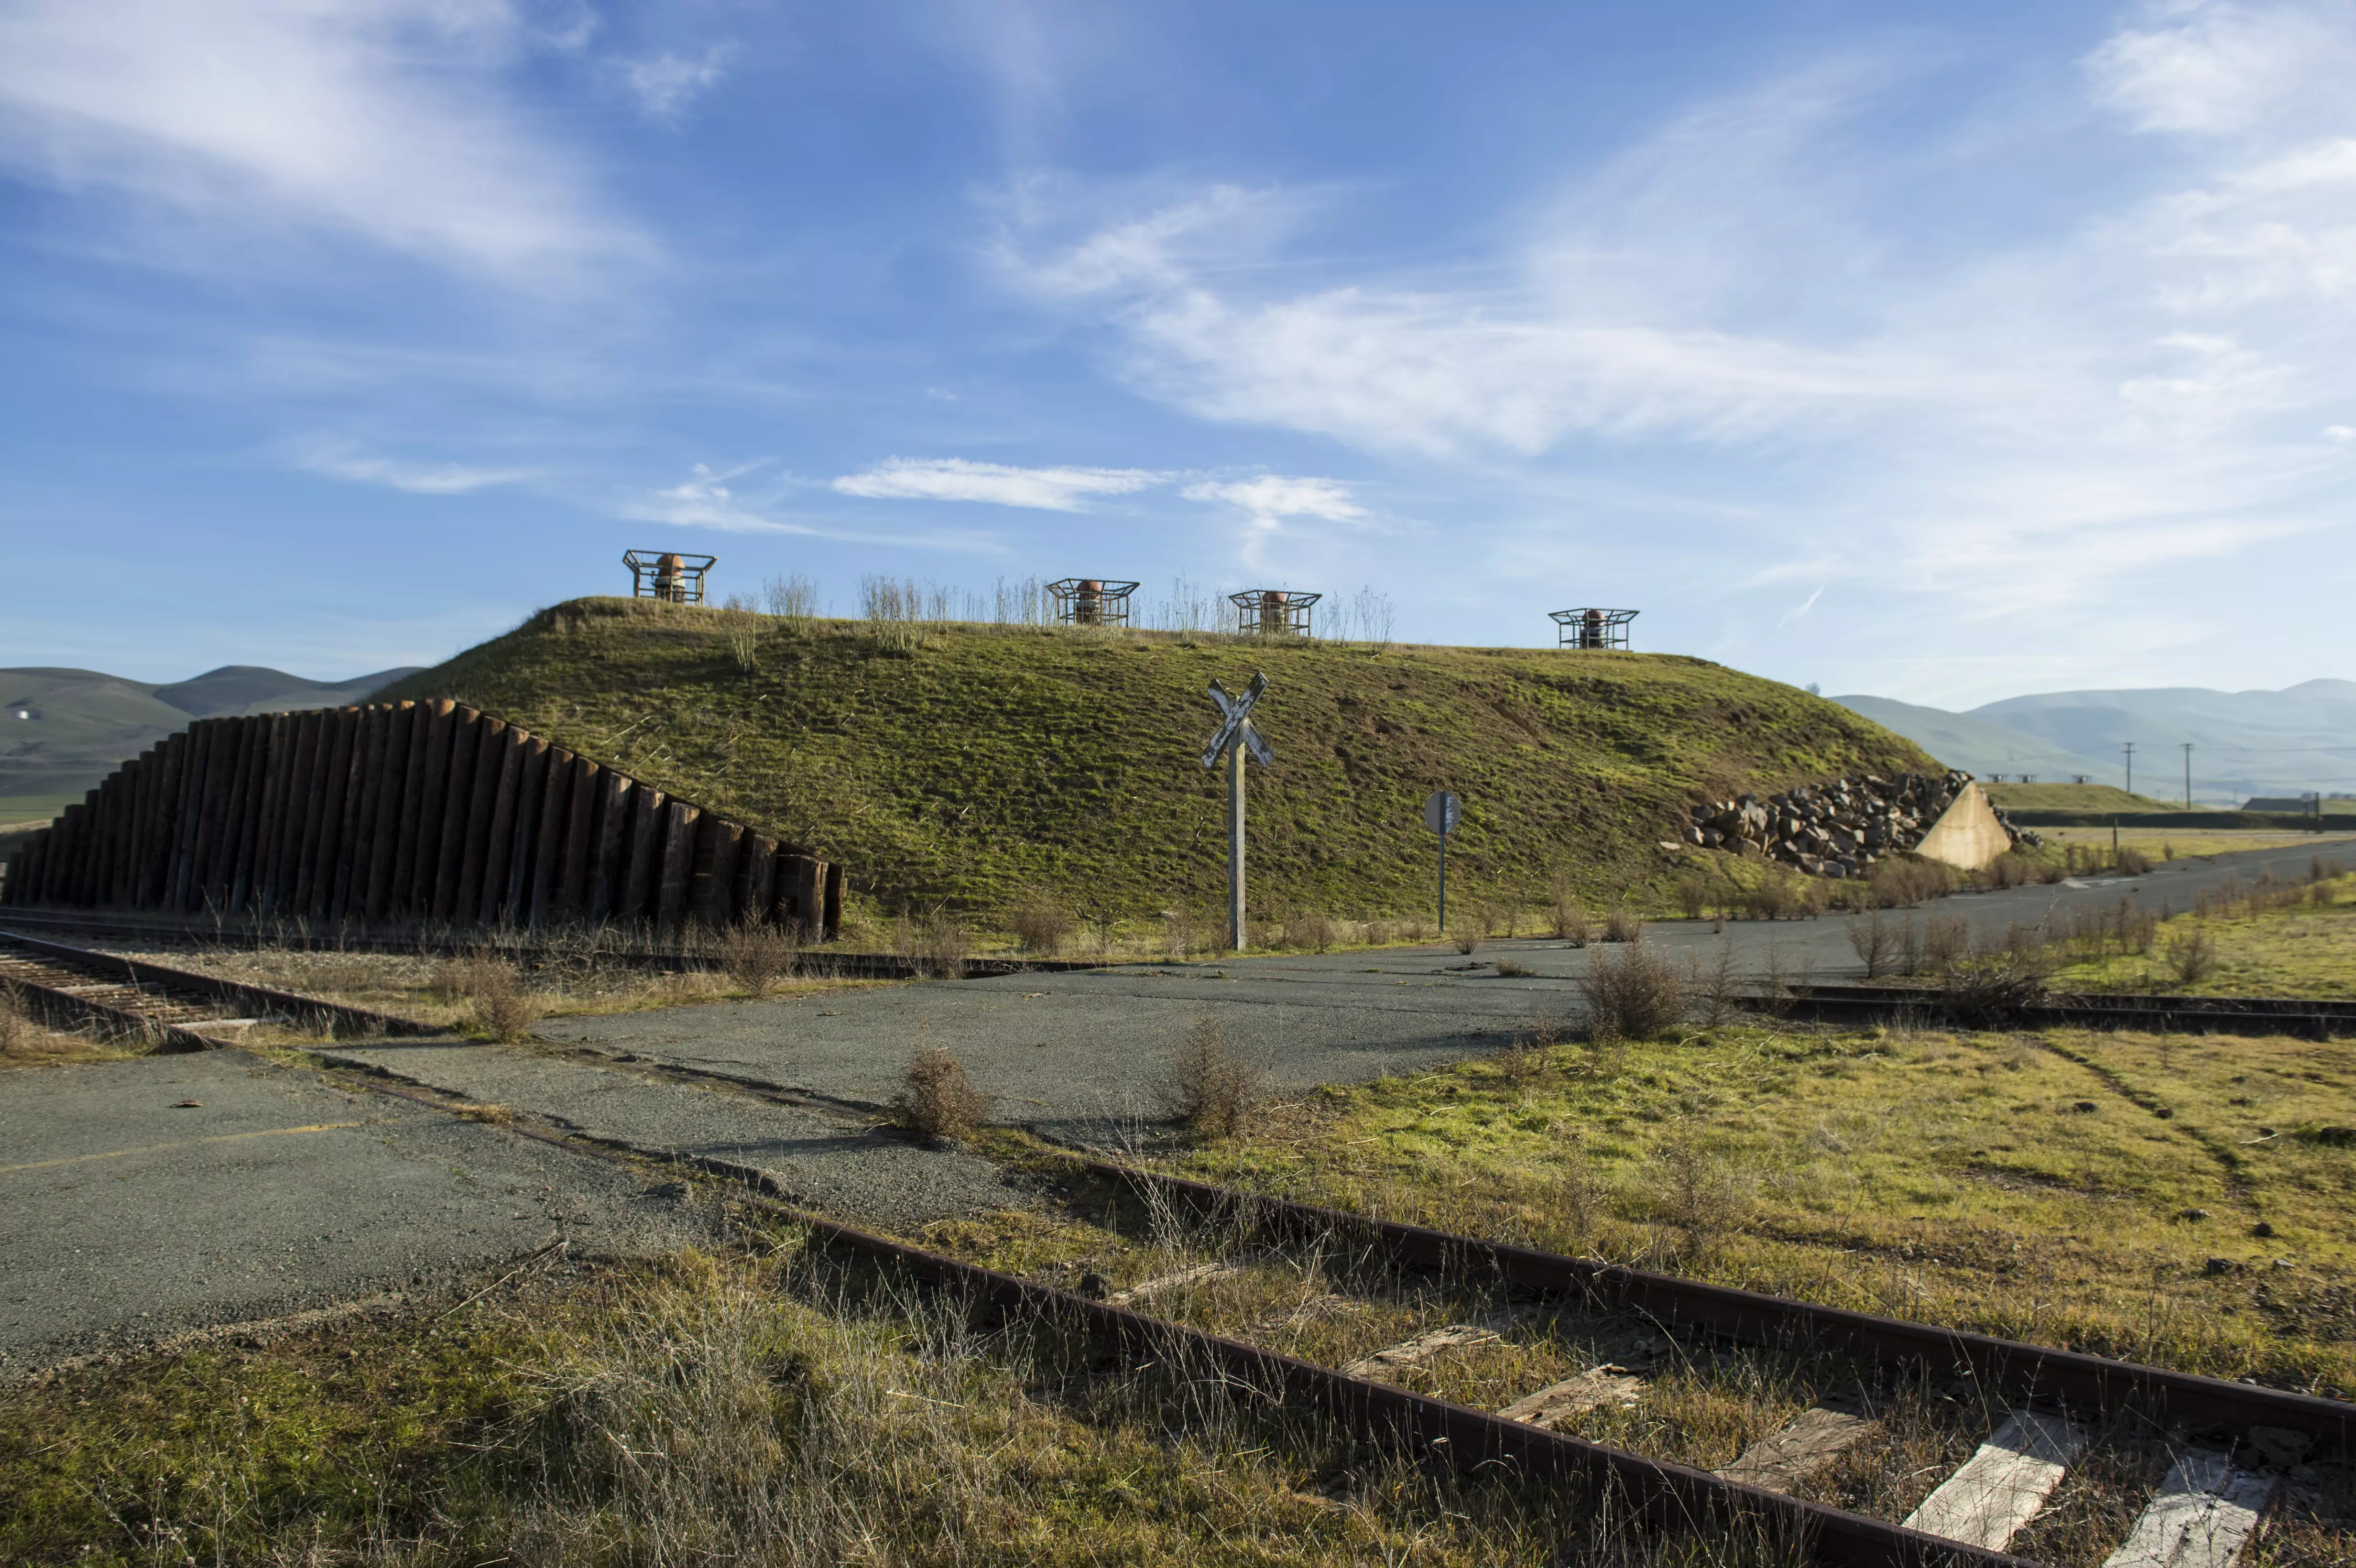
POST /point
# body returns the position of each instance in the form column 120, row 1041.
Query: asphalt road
column 125, row 1217
column 1082, row 1055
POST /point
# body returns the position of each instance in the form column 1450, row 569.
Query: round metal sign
column 1442, row 811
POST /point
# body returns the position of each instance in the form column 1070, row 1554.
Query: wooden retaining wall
column 404, row 814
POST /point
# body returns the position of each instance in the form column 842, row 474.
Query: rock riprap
column 1836, row 829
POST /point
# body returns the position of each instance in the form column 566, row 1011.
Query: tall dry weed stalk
column 1208, row 1086
column 793, row 599
column 16, row 1026
column 756, row 956
column 1631, row 993
column 937, row 1099
column 1621, row 923
column 1569, row 915
column 1041, row 926
column 504, row 1008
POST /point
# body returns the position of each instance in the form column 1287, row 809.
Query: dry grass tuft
column 1210, row 1088
column 1632, row 994
column 757, row 956
column 504, row 1008
column 1041, row 927
column 938, row 1100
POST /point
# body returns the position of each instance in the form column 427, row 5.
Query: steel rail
column 2024, row 1373
column 330, row 1018
column 59, row 1008
column 2079, row 1009
column 836, row 964
column 1474, row 1442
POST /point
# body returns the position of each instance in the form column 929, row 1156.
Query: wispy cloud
column 666, row 84
column 343, row 462
column 999, row 483
column 2141, row 386
column 708, row 499
column 380, row 119
column 1271, row 500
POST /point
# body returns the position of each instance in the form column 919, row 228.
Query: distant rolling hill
column 2244, row 743
column 62, row 730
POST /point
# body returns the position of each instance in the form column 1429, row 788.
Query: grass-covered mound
column 986, row 765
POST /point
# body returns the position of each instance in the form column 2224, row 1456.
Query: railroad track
column 2052, row 1408
column 2322, row 1018
column 303, row 938
column 72, row 988
column 2054, row 1404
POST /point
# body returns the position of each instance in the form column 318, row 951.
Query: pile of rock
column 1836, row 829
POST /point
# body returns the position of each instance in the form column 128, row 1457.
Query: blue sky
column 1942, row 352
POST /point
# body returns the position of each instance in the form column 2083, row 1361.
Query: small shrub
column 1507, row 969
column 2190, row 955
column 1901, row 883
column 1578, row 1198
column 1695, row 1191
column 2133, row 863
column 503, row 1006
column 1570, row 917
column 744, row 644
column 1693, row 895
column 1209, row 1087
column 936, row 947
column 1875, row 940
column 793, row 599
column 756, row 956
column 1946, row 941
column 1312, row 929
column 2011, row 869
column 1633, row 994
column 1714, row 987
column 1987, row 993
column 1467, row 940
column 1043, row 928
column 1621, row 923
column 937, row 1099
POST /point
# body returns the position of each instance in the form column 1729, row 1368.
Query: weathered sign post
column 1237, row 735
column 1442, row 813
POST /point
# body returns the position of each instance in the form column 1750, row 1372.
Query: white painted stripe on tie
column 2199, row 1516
column 2001, row 1487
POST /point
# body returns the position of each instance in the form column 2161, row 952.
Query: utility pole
column 2128, row 746
column 1237, row 735
column 2187, row 774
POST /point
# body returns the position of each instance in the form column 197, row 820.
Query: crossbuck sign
column 1238, row 734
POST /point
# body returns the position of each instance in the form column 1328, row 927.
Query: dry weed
column 504, row 1008
column 1209, row 1087
column 1632, row 994
column 938, row 1100
column 1041, row 927
column 757, row 956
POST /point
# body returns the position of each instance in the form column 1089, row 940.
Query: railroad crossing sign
column 1238, row 734
column 1235, row 713
column 1441, row 811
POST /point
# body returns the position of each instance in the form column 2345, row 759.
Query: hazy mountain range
column 2245, row 743
column 62, row 730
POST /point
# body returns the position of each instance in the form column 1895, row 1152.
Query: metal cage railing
column 1591, row 628
column 1091, row 600
column 667, row 575
column 1272, row 612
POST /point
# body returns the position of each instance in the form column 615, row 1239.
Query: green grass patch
column 2063, row 1187
column 987, row 764
column 2268, row 940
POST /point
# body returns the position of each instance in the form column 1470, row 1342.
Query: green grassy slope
column 993, row 762
column 2075, row 797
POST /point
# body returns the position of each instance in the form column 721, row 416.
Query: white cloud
column 666, row 84
column 2340, row 432
column 339, row 461
column 2226, row 68
column 2012, row 425
column 706, row 499
column 381, row 119
column 956, row 479
column 1271, row 500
